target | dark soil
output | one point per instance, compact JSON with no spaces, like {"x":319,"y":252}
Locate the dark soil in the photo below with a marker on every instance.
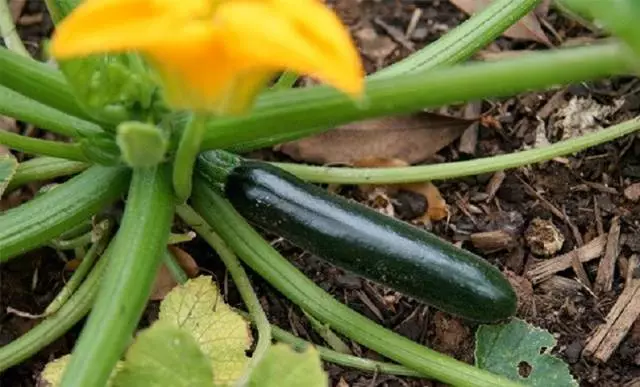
{"x":587,"y":189}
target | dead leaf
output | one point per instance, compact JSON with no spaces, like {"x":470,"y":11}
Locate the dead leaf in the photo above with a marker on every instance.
{"x":527,"y":28}
{"x":582,"y":116}
{"x":437,"y":208}
{"x":375,"y":47}
{"x":632,"y":192}
{"x":72,"y":265}
{"x":342,"y":383}
{"x":186,"y":261}
{"x":411,"y":138}
{"x":16,"y":7}
{"x":488,"y":56}
{"x":164,"y":280}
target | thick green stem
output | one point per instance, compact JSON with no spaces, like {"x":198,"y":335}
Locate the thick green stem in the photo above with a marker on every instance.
{"x":57,"y":324}
{"x":285,"y":115}
{"x":458,"y":168}
{"x":38,"y":81}
{"x":266,"y":261}
{"x":45,"y":217}
{"x":137,"y":254}
{"x":9,"y":32}
{"x":16,"y":105}
{"x":44,"y":168}
{"x":186,"y":155}
{"x":240,"y":279}
{"x":465,"y":40}
{"x":36,"y":146}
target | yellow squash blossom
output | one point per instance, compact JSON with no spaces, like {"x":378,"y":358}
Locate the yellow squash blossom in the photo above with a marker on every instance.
{"x":215,"y":55}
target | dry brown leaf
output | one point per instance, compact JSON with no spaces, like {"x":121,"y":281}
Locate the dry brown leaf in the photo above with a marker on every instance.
{"x":342,"y":383}
{"x":437,"y":208}
{"x":489,"y":56}
{"x":164,"y":280}
{"x":186,"y":261}
{"x":527,"y":28}
{"x":411,"y":138}
{"x":72,"y":265}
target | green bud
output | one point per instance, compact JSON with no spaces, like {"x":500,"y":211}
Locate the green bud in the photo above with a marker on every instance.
{"x":141,"y":145}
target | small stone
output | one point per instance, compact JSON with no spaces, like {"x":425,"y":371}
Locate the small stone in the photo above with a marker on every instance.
{"x":420,"y":33}
{"x":543,"y":237}
{"x":632,"y":192}
{"x":573,"y":351}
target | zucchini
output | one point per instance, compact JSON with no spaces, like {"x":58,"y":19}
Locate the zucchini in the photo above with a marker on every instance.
{"x":356,"y":238}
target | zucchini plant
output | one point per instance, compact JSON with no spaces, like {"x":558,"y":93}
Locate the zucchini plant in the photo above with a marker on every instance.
{"x":136,"y":106}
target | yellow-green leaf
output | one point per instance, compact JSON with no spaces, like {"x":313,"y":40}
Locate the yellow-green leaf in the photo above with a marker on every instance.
{"x":222,"y":335}
{"x":282,"y":366}
{"x":164,"y":355}
{"x":52,"y":373}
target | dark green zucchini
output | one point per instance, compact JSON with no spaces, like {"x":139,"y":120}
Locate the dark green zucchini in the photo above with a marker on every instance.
{"x":356,"y":238}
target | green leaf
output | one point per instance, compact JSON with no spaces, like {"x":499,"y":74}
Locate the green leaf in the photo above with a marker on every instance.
{"x":142,"y":145}
{"x":8,"y":167}
{"x":222,"y":334}
{"x":282,"y":366}
{"x":504,"y":348}
{"x":52,"y":372}
{"x":164,"y":355}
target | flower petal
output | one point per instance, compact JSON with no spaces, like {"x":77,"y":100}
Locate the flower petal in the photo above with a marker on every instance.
{"x":103,"y":26}
{"x":303,"y":36}
{"x":196,"y":75}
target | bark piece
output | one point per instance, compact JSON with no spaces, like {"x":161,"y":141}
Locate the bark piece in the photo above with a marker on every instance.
{"x":604,"y":278}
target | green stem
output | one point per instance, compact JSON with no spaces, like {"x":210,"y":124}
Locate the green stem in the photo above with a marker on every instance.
{"x":339,"y":358}
{"x":285,"y":115}
{"x":465,"y":40}
{"x":103,"y":233}
{"x":186,"y":155}
{"x":71,"y":244}
{"x":458,"y":168}
{"x":43,"y":218}
{"x":38,"y":81}
{"x":174,"y":268}
{"x":279,"y":272}
{"x":16,"y":105}
{"x":56,"y":325}
{"x":240,"y":279}
{"x":42,"y":147}
{"x":286,"y":81}
{"x":327,"y":334}
{"x":44,"y":168}
{"x":137,"y":254}
{"x":9,"y":32}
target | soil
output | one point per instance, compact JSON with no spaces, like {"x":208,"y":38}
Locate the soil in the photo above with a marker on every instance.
{"x":580,"y":195}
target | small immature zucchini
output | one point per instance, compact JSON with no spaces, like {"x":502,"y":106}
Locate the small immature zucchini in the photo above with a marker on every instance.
{"x":353,"y":237}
